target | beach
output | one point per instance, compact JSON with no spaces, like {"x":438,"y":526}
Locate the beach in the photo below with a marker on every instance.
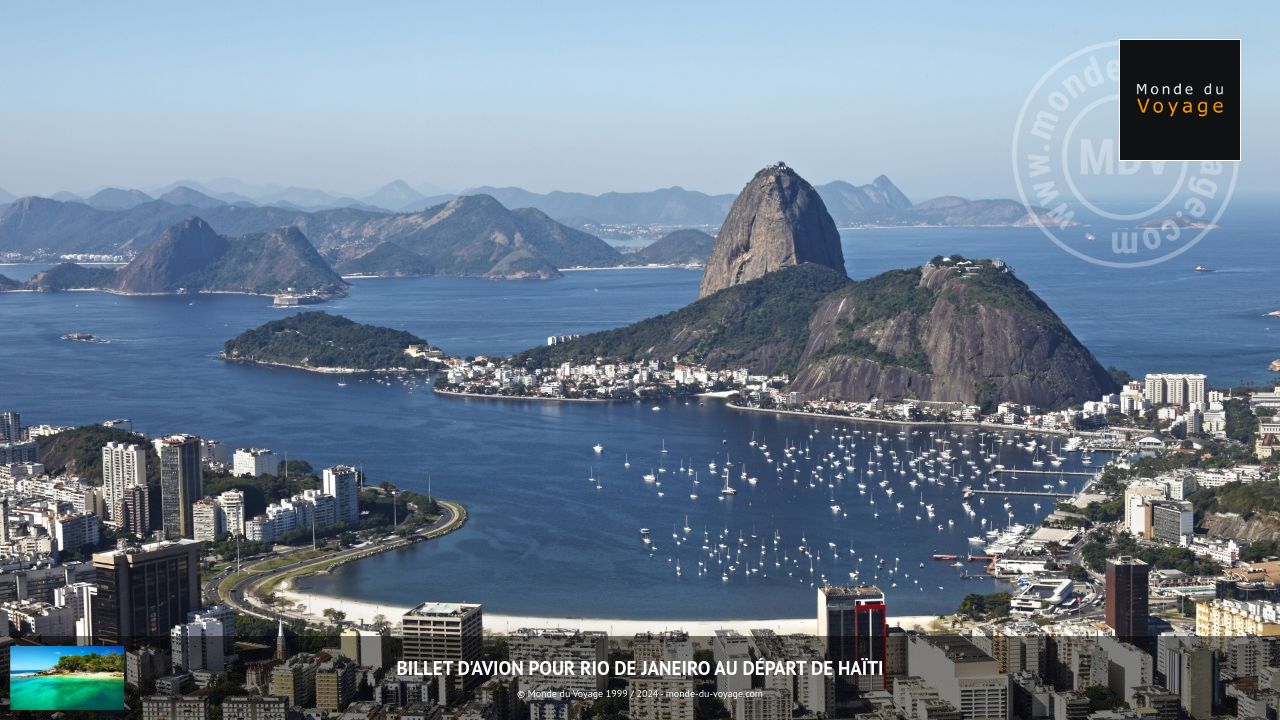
{"x":359,"y":611}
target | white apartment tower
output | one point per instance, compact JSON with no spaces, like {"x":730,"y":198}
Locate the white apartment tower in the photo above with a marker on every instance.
{"x":1181,"y":389}
{"x":124,"y":465}
{"x":340,"y":481}
{"x":232,"y":504}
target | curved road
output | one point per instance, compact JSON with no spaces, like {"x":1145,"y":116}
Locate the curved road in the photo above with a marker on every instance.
{"x":236,"y":594}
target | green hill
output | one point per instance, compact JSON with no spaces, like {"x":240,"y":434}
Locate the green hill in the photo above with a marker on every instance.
{"x":318,"y":340}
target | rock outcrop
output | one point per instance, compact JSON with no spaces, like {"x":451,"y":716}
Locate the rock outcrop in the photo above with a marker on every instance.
{"x":777,"y":221}
{"x":776,"y":300}
{"x":956,"y":330}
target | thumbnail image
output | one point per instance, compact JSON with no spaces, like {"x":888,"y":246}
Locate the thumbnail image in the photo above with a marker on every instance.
{"x":66,"y":678}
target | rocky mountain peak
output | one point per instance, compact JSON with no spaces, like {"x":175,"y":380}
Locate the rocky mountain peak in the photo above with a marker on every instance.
{"x":777,"y":221}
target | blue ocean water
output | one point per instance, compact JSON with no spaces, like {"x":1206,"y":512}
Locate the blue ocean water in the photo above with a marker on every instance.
{"x":542,"y":540}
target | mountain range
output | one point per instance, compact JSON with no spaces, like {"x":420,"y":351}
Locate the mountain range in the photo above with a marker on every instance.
{"x":877,"y":203}
{"x":775,"y":298}
{"x":472,"y":235}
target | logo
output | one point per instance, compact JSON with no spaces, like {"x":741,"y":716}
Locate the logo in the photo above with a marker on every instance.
{"x":1083,"y":196}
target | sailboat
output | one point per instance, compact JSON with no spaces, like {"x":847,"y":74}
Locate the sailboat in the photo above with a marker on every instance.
{"x":727,"y":489}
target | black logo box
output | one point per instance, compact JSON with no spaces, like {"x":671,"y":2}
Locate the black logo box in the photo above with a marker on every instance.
{"x":1185,"y":65}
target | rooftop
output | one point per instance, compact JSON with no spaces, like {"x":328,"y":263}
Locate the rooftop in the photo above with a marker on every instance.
{"x":869,"y":592}
{"x":443,"y":609}
{"x":956,"y":648}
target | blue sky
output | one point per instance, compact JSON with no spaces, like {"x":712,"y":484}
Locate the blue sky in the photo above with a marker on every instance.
{"x":571,"y":96}
{"x":39,"y":657}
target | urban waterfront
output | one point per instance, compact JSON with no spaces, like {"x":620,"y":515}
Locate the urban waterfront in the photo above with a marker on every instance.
{"x":542,"y":539}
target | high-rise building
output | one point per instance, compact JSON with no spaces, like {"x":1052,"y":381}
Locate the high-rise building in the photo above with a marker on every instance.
{"x":335,"y":683}
{"x":731,"y":646}
{"x":1173,"y":521}
{"x":213,"y":454}
{"x":1193,"y":675}
{"x":232,"y":504}
{"x":11,"y":426}
{"x":124,"y":465}
{"x":75,"y":531}
{"x":442,"y":631}
{"x":1182,"y":389}
{"x":252,"y":462}
{"x":181,"y":483}
{"x":1127,"y":611}
{"x":206,"y":520}
{"x":144,"y":591}
{"x":295,"y":680}
{"x":17,"y":452}
{"x":199,"y":645}
{"x":962,"y":674}
{"x":341,"y":481}
{"x":135,"y":510}
{"x":143,"y":665}
{"x":853,"y":622}
{"x":529,"y":646}
{"x":367,"y":647}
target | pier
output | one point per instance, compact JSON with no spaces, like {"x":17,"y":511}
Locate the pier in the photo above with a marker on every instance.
{"x":1055,"y":473}
{"x":1027,"y":493}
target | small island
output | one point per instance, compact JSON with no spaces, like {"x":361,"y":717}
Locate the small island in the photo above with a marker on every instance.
{"x":319,"y":342}
{"x":85,"y":337}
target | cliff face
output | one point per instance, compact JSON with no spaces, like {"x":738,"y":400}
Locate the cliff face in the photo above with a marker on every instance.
{"x":778,"y":220}
{"x":965,"y":331}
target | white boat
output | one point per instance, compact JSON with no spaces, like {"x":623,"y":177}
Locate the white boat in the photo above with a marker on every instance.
{"x":598,"y":448}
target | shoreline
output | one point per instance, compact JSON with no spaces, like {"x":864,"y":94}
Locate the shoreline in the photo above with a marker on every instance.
{"x":920,"y":423}
{"x":633,"y":267}
{"x":539,"y":398}
{"x":364,"y":611}
{"x":323,"y":370}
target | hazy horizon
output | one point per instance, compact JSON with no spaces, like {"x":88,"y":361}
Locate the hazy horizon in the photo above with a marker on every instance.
{"x":585,"y":99}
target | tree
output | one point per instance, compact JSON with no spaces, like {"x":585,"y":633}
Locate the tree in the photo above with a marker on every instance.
{"x":335,"y":616}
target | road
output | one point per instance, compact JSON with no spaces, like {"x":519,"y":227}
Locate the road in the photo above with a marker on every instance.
{"x":236,"y":595}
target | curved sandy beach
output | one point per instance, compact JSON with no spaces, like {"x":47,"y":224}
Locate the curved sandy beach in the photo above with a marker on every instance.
{"x":360,"y":611}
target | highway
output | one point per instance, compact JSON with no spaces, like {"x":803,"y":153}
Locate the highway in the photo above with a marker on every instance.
{"x":236,"y":595}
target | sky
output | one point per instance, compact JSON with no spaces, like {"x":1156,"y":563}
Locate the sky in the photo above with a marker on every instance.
{"x":589,"y":97}
{"x":43,"y":657}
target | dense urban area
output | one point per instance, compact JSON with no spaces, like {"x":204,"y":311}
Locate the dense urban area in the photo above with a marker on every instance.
{"x":1152,"y":592}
